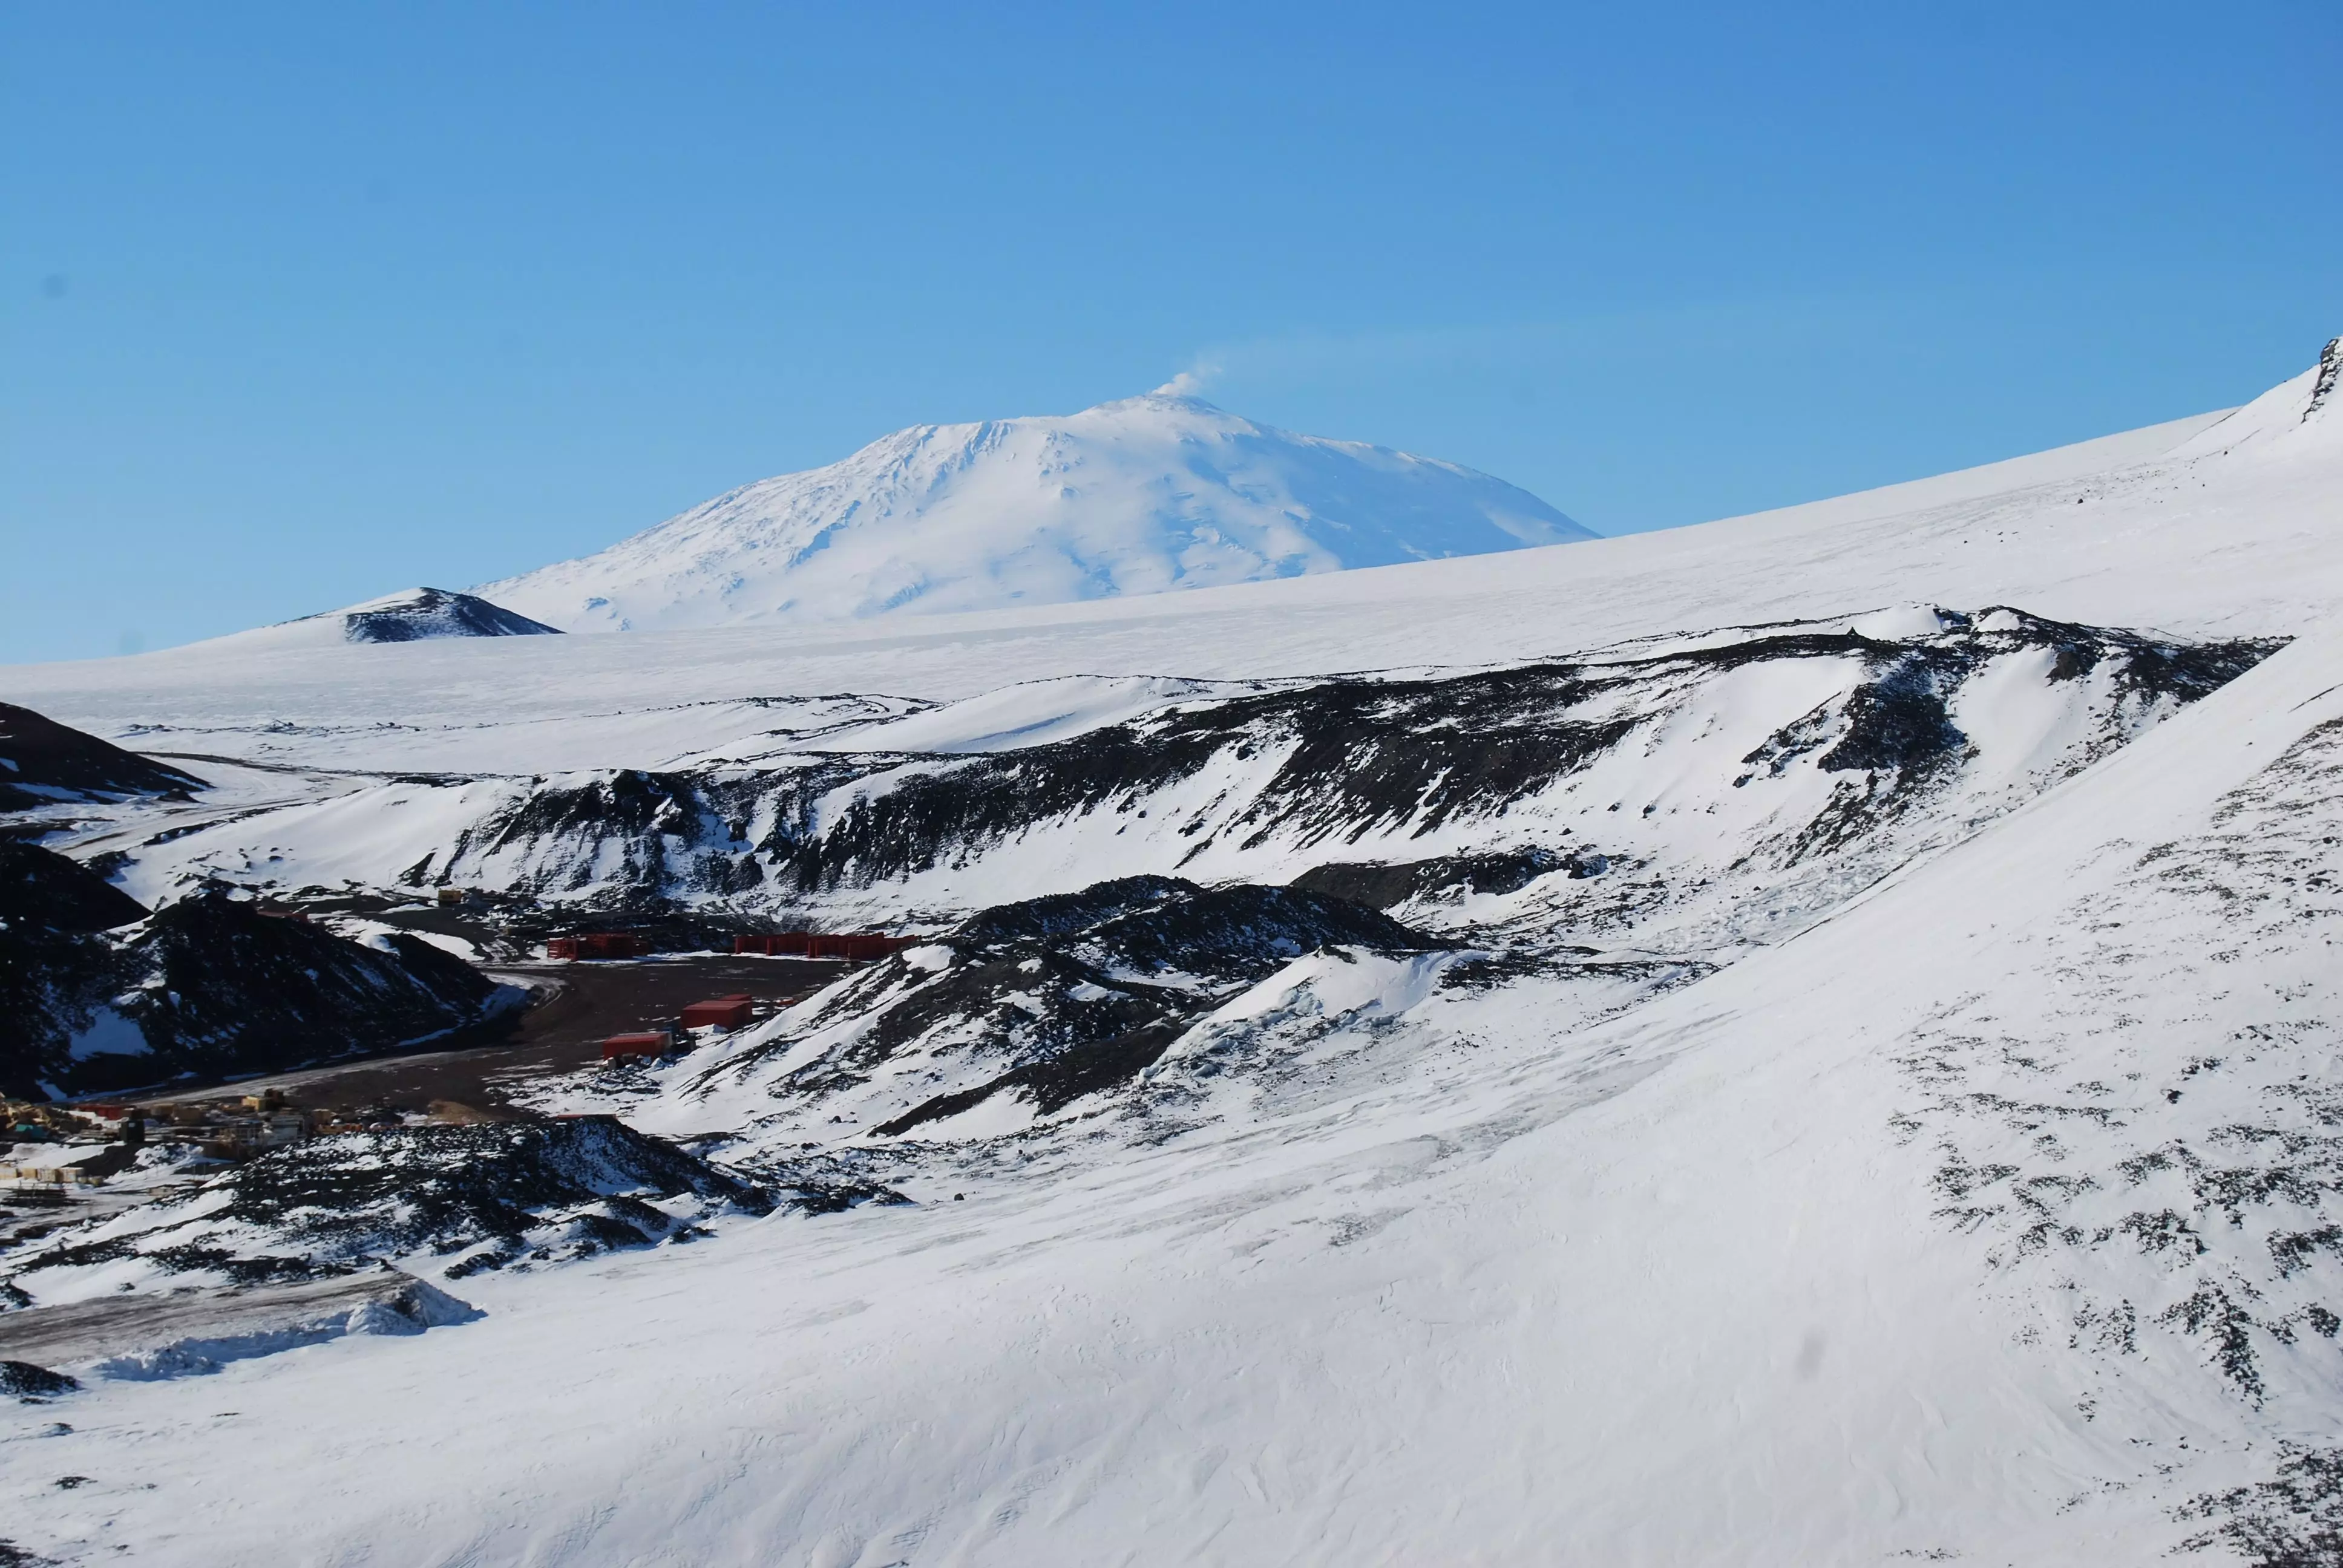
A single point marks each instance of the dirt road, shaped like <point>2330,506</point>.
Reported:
<point>581,1005</point>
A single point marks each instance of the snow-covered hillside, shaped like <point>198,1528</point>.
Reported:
<point>1812,1039</point>
<point>1803,756</point>
<point>1137,496</point>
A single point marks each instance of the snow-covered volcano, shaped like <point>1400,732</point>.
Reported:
<point>1134,497</point>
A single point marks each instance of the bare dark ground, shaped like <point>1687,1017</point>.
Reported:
<point>584,1004</point>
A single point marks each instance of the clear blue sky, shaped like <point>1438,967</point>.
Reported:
<point>301,304</point>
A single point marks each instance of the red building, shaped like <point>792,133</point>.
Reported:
<point>636,1047</point>
<point>597,945</point>
<point>723,1013</point>
<point>858,947</point>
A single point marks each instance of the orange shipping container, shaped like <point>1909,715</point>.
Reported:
<point>724,1012</point>
<point>619,1047</point>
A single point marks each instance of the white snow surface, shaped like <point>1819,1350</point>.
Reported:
<point>1986,1214</point>
<point>2109,532</point>
<point>1137,496</point>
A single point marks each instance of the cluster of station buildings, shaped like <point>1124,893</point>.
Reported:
<point>855,946</point>
<point>58,1146</point>
<point>723,1013</point>
<point>80,1145</point>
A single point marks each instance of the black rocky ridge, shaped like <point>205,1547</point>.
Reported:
<point>52,961</point>
<point>43,762</point>
<point>210,985</point>
<point>1362,756</point>
<point>21,1380</point>
<point>42,890</point>
<point>1355,757</point>
<point>478,1197</point>
<point>2294,1520</point>
<point>1061,997</point>
<point>1385,885</point>
<point>435,612</point>
<point>228,987</point>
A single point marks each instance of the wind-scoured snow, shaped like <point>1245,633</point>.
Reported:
<point>1137,497</point>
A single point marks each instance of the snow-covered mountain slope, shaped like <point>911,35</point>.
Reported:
<point>1806,757</point>
<point>1137,496</point>
<point>1815,1084</point>
<point>479,1196</point>
<point>1690,1284</point>
<point>1022,1011</point>
<point>410,615</point>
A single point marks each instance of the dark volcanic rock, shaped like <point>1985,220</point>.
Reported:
<point>25,1380</point>
<point>1361,756</point>
<point>665,831</point>
<point>1140,926</point>
<point>53,964</point>
<point>50,959</point>
<point>43,761</point>
<point>482,1196</point>
<point>2294,1520</point>
<point>1055,914</point>
<point>435,612</point>
<point>209,986</point>
<point>1895,729</point>
<point>1313,768</point>
<point>1384,885</point>
<point>49,984</point>
<point>46,890</point>
<point>232,990</point>
<point>1060,997</point>
<point>1053,1083</point>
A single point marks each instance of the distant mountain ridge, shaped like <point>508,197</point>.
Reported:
<point>1141,496</point>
